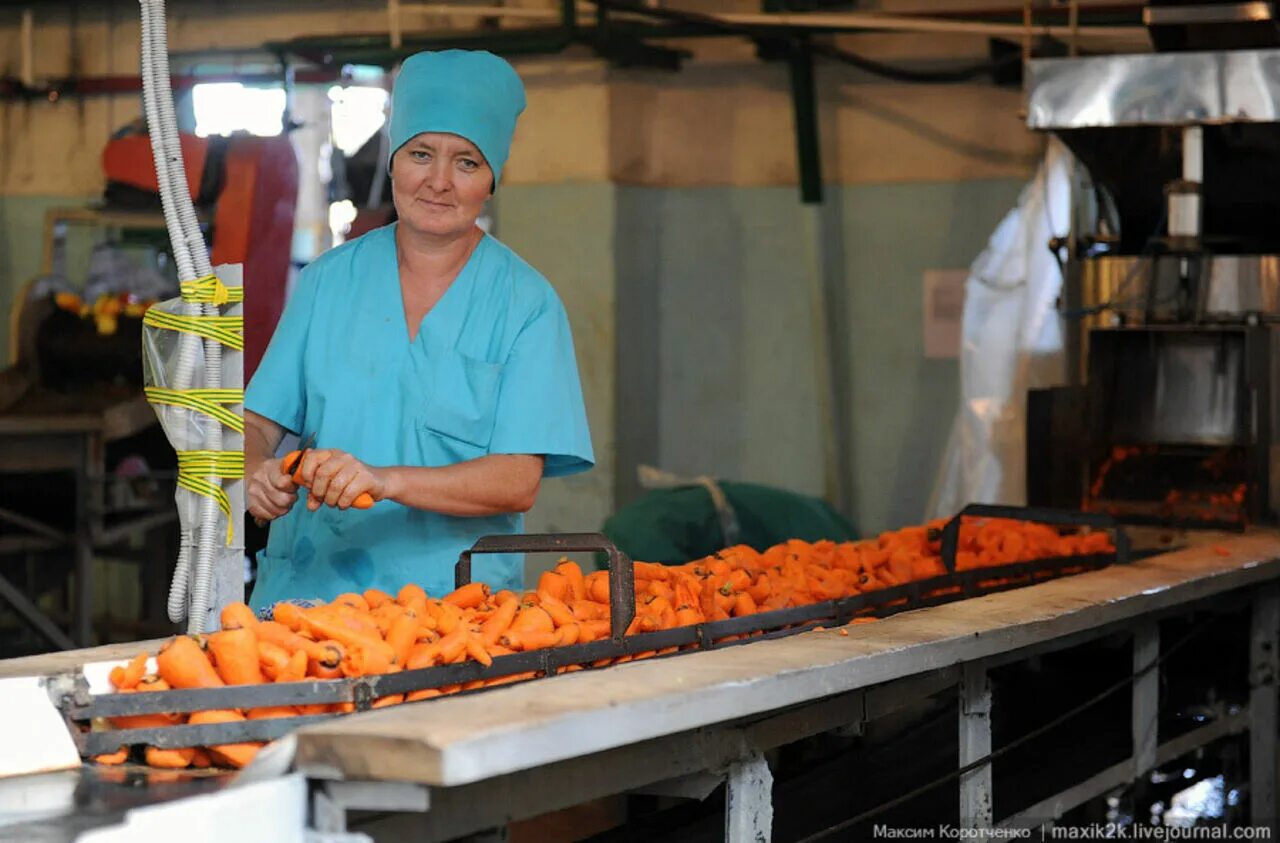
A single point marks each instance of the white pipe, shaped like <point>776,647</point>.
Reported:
<point>189,349</point>
<point>193,262</point>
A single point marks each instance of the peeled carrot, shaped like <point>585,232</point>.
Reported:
<point>376,650</point>
<point>126,678</point>
<point>295,670</point>
<point>287,614</point>
<point>236,615</point>
<point>374,598</point>
<point>597,585</point>
<point>423,655</point>
<point>271,712</point>
<point>235,656</point>
<point>401,637</point>
<point>424,694</point>
<point>469,596</point>
<point>231,754</point>
<point>572,572</point>
<point>120,756</point>
<point>326,651</point>
<point>559,612</point>
<point>555,584</point>
<point>475,649</point>
<point>170,758</point>
<point>272,659</point>
<point>363,661</point>
<point>499,621</point>
<point>412,596</point>
<point>355,601</point>
<point>184,665</point>
<point>200,759</point>
<point>532,619</point>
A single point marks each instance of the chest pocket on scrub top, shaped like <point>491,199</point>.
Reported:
<point>462,400</point>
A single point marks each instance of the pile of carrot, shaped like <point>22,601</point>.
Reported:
<point>376,632</point>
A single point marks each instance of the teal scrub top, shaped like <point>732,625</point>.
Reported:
<point>491,371</point>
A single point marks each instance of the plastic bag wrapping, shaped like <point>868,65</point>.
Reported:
<point>1011,342</point>
<point>188,430</point>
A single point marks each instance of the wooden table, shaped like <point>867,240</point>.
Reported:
<point>598,732</point>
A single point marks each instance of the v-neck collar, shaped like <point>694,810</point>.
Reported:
<point>451,293</point>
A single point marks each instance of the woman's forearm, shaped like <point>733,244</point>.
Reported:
<point>491,485</point>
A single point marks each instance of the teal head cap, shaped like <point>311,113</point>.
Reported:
<point>469,93</point>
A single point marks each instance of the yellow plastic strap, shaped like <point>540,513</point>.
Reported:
<point>196,467</point>
<point>210,290</point>
<point>207,401</point>
<point>228,330</point>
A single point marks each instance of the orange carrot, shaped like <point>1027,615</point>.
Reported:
<point>475,649</point>
<point>235,656</point>
<point>289,615</point>
<point>532,619</point>
<point>231,754</point>
<point>559,612</point>
<point>597,585</point>
<point>355,601</point>
<point>170,758</point>
<point>236,615</point>
<point>326,651</point>
<point>377,650</point>
<point>401,636</point>
<point>374,598</point>
<point>184,665</point>
<point>120,756</point>
<point>272,659</point>
<point>129,676</point>
<point>555,584</point>
<point>424,694</point>
<point>572,572</point>
<point>499,621</point>
<point>469,596</point>
<point>295,670</point>
<point>412,596</point>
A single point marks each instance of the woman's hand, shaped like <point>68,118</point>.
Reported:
<point>336,478</point>
<point>269,492</point>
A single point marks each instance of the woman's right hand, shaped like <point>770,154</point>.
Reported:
<point>269,492</point>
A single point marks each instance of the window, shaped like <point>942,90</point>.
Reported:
<point>222,108</point>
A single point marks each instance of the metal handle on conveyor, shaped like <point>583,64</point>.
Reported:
<point>1036,514</point>
<point>622,583</point>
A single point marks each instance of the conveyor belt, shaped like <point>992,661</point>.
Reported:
<point>455,741</point>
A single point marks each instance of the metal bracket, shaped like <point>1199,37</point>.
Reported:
<point>697,786</point>
<point>331,800</point>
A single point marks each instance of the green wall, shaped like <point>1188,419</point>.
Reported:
<point>565,231</point>
<point>724,339</point>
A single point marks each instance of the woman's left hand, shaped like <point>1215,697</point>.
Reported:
<point>336,478</point>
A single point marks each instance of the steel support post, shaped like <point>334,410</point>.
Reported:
<point>1264,664</point>
<point>748,804</point>
<point>975,743</point>
<point>1146,698</point>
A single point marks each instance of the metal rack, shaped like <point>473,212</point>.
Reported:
<point>80,707</point>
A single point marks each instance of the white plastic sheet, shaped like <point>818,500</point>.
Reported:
<point>1011,342</point>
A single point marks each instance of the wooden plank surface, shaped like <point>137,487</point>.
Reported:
<point>47,664</point>
<point>454,741</point>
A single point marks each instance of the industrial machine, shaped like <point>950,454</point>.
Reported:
<point>1171,296</point>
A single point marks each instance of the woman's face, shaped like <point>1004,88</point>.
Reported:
<point>439,183</point>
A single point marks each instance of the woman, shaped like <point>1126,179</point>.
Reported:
<point>434,367</point>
